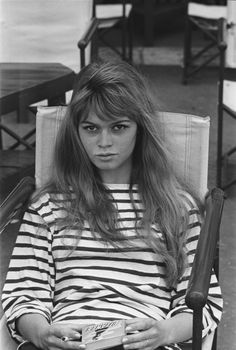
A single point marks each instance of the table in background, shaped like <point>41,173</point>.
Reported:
<point>23,84</point>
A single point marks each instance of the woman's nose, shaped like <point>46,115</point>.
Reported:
<point>105,139</point>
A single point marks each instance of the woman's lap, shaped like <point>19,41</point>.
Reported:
<point>30,346</point>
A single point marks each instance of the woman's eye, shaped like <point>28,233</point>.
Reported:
<point>90,128</point>
<point>119,127</point>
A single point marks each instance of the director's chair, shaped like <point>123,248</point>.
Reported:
<point>188,140</point>
<point>226,100</point>
<point>113,14</point>
<point>205,18</point>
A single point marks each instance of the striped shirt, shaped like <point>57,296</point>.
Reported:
<point>95,281</point>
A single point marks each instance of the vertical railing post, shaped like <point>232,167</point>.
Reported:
<point>222,47</point>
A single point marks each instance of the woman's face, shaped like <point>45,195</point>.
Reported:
<point>109,145</point>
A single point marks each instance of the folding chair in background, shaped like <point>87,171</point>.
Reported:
<point>115,15</point>
<point>227,100</point>
<point>188,138</point>
<point>205,19</point>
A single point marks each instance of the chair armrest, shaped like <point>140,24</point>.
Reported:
<point>86,38</point>
<point>15,200</point>
<point>222,27</point>
<point>197,292</point>
<point>199,282</point>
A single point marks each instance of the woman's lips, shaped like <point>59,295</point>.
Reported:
<point>106,156</point>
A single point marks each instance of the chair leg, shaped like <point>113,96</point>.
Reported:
<point>219,145</point>
<point>130,39</point>
<point>123,38</point>
<point>197,326</point>
<point>220,117</point>
<point>187,49</point>
<point>94,48</point>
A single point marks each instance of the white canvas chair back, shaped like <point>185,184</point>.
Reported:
<point>187,136</point>
<point>43,30</point>
<point>112,13</point>
<point>206,11</point>
<point>188,139</point>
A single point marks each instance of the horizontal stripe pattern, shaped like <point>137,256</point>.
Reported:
<point>95,281</point>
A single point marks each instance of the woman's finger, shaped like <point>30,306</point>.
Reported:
<point>59,343</point>
<point>147,344</point>
<point>139,324</point>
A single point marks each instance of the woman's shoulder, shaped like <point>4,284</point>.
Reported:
<point>47,203</point>
<point>189,200</point>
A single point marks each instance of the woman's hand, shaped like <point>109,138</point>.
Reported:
<point>60,336</point>
<point>36,329</point>
<point>145,334</point>
<point>148,334</point>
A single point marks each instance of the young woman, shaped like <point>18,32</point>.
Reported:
<point>113,234</point>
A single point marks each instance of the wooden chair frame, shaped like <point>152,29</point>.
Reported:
<point>223,110</point>
<point>126,30</point>
<point>212,30</point>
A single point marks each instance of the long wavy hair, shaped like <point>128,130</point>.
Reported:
<point>112,90</point>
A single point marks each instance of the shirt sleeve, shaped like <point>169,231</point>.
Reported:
<point>29,286</point>
<point>213,309</point>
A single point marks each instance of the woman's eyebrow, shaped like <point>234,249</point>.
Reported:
<point>87,122</point>
<point>125,120</point>
<point>113,122</point>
